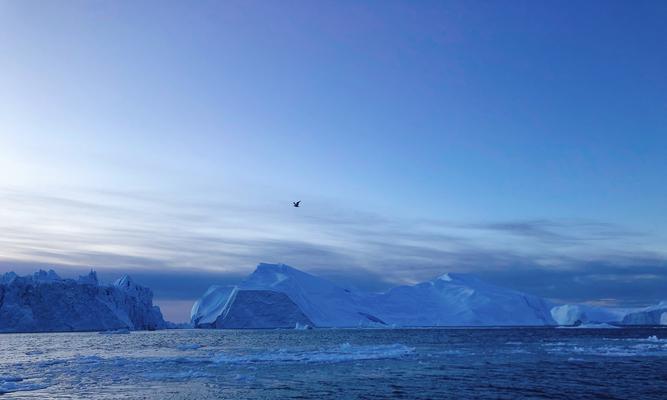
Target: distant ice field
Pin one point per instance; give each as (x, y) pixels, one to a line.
(480, 363)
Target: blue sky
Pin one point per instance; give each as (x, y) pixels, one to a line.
(522, 141)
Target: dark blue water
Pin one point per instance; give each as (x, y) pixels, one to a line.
(516, 363)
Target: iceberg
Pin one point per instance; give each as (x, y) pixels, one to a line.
(325, 304)
(44, 302)
(450, 300)
(576, 314)
(206, 310)
(458, 300)
(653, 315)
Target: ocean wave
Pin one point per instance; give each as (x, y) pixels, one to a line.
(342, 353)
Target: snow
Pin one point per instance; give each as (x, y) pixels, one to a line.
(44, 302)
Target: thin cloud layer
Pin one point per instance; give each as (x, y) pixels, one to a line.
(144, 233)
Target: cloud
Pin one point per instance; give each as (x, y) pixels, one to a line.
(565, 231)
(163, 236)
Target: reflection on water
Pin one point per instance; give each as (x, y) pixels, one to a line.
(402, 363)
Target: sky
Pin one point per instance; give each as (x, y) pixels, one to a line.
(524, 141)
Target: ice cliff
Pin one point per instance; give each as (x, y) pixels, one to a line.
(653, 315)
(44, 302)
(255, 309)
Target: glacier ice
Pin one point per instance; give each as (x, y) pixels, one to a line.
(206, 310)
(653, 315)
(44, 302)
(575, 314)
(451, 299)
(461, 299)
(325, 304)
(257, 309)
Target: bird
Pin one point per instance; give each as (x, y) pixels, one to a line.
(296, 203)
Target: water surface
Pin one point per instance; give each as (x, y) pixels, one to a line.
(503, 363)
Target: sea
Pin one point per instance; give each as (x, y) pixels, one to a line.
(461, 363)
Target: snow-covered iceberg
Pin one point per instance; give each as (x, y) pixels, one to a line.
(44, 302)
(577, 314)
(321, 302)
(452, 299)
(653, 315)
(460, 299)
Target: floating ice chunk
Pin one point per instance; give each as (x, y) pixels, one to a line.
(302, 327)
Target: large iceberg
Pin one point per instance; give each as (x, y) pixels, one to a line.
(321, 302)
(653, 315)
(452, 299)
(44, 302)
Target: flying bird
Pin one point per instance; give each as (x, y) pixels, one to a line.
(296, 203)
